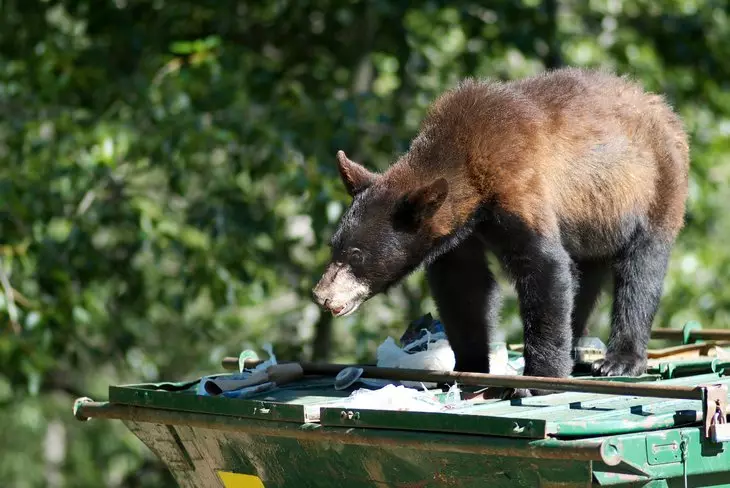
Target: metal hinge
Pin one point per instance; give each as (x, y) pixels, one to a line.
(715, 413)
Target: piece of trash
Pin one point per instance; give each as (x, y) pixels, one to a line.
(437, 356)
(498, 359)
(247, 356)
(452, 398)
(351, 375)
(403, 398)
(209, 385)
(265, 364)
(347, 377)
(231, 382)
(425, 345)
(248, 391)
(587, 350)
(392, 397)
(516, 366)
(423, 325)
(265, 376)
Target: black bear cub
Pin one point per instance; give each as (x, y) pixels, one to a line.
(569, 178)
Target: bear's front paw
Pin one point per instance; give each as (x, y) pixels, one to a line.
(619, 365)
(512, 393)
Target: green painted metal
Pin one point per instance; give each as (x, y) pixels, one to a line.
(305, 434)
(663, 447)
(687, 330)
(435, 422)
(672, 369)
(706, 464)
(291, 402)
(692, 333)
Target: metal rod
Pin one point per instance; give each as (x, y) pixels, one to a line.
(702, 334)
(701, 348)
(509, 381)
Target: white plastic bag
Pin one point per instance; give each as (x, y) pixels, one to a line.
(438, 356)
(392, 397)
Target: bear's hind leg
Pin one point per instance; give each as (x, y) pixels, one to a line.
(639, 278)
(468, 300)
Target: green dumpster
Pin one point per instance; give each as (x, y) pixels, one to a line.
(306, 434)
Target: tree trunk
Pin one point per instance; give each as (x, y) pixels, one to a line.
(322, 345)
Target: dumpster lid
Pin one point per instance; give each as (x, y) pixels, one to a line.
(313, 400)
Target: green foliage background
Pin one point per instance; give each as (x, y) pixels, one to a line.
(167, 182)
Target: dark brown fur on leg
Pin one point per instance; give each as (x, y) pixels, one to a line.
(639, 277)
(468, 301)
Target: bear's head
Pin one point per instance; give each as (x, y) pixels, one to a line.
(383, 235)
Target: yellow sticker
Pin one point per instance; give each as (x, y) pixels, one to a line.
(236, 480)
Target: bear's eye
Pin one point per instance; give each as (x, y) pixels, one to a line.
(357, 257)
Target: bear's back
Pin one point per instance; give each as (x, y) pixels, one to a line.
(568, 148)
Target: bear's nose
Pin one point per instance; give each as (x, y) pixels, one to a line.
(327, 305)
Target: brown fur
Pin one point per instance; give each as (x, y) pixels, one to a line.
(555, 148)
(567, 177)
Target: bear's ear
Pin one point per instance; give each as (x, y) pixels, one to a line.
(355, 177)
(419, 205)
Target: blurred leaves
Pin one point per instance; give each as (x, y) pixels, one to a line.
(167, 180)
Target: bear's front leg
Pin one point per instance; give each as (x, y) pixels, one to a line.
(468, 299)
(545, 288)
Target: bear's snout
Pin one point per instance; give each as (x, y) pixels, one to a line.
(339, 291)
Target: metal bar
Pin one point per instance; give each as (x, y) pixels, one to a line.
(511, 381)
(696, 334)
(700, 348)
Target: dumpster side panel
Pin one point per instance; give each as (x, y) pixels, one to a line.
(165, 443)
(324, 464)
(287, 461)
(197, 455)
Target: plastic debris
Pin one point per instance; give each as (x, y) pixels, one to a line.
(246, 382)
(498, 359)
(516, 366)
(423, 325)
(247, 355)
(269, 362)
(347, 377)
(588, 350)
(425, 345)
(250, 390)
(437, 355)
(402, 398)
(351, 375)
